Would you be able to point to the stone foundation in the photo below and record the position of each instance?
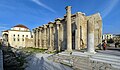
(84, 62)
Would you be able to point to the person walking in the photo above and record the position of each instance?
(104, 45)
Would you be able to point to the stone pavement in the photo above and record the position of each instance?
(40, 62)
(108, 56)
(102, 60)
(110, 52)
(1, 60)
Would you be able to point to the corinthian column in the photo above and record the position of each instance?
(50, 37)
(34, 38)
(78, 31)
(69, 34)
(40, 37)
(45, 30)
(58, 33)
(37, 37)
(90, 35)
(47, 36)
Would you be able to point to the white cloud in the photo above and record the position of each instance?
(109, 8)
(43, 5)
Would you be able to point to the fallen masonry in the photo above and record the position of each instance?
(87, 61)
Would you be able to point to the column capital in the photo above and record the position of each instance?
(45, 26)
(57, 20)
(37, 29)
(34, 30)
(68, 7)
(80, 13)
(50, 24)
(40, 28)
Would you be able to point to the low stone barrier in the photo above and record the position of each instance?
(1, 60)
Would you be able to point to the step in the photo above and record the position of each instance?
(114, 64)
(107, 59)
(106, 56)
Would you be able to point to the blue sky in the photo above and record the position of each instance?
(34, 13)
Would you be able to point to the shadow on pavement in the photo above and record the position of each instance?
(41, 63)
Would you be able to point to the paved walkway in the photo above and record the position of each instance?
(108, 56)
(110, 52)
(1, 60)
(40, 62)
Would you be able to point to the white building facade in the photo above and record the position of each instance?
(107, 36)
(15, 37)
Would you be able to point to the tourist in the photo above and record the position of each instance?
(104, 45)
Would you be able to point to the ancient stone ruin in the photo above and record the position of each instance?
(73, 32)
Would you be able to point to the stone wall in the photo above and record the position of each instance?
(29, 42)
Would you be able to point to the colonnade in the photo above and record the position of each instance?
(58, 34)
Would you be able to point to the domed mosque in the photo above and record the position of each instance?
(16, 36)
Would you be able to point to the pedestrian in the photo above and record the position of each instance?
(116, 44)
(104, 45)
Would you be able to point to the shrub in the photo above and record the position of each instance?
(13, 60)
(110, 41)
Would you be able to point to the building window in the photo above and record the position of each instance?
(22, 35)
(31, 36)
(18, 40)
(22, 39)
(13, 39)
(107, 36)
(14, 35)
(26, 35)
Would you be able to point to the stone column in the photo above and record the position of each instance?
(90, 35)
(69, 32)
(50, 37)
(37, 37)
(34, 37)
(58, 33)
(100, 27)
(61, 36)
(47, 37)
(45, 30)
(53, 36)
(40, 37)
(100, 31)
(78, 31)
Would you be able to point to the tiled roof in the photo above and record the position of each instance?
(20, 25)
(5, 31)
